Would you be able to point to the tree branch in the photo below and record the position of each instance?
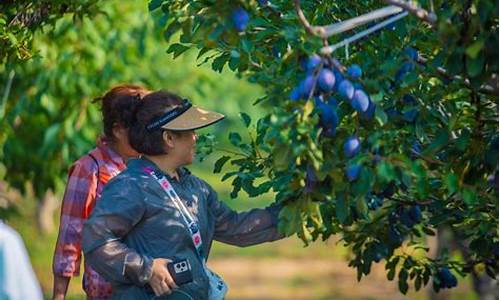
(491, 88)
(396, 6)
(424, 15)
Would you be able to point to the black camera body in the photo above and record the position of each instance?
(180, 270)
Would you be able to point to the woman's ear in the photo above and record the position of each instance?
(168, 139)
(119, 132)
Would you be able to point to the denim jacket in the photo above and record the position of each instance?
(135, 222)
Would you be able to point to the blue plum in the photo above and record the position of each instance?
(295, 94)
(410, 115)
(306, 86)
(446, 278)
(360, 101)
(411, 53)
(406, 68)
(409, 100)
(326, 80)
(352, 146)
(240, 19)
(312, 62)
(346, 89)
(353, 171)
(354, 71)
(395, 237)
(415, 213)
(328, 117)
(338, 78)
(370, 112)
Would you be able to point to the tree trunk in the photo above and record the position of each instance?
(45, 212)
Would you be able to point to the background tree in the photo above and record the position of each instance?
(48, 120)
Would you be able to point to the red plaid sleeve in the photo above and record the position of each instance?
(79, 199)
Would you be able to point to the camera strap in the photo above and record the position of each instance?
(217, 287)
(192, 225)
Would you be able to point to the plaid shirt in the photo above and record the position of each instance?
(86, 179)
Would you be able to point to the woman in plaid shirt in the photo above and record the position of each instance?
(86, 178)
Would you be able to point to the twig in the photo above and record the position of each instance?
(424, 15)
(491, 88)
(6, 92)
(314, 30)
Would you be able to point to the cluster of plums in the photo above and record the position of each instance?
(407, 216)
(321, 82)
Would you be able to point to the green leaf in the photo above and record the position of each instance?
(220, 61)
(342, 209)
(473, 50)
(418, 283)
(391, 273)
(235, 138)
(380, 115)
(171, 30)
(220, 163)
(177, 49)
(236, 187)
(428, 231)
(451, 183)
(469, 196)
(439, 141)
(403, 286)
(386, 171)
(474, 66)
(154, 4)
(246, 119)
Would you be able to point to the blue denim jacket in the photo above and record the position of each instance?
(135, 222)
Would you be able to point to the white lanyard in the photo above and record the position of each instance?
(193, 228)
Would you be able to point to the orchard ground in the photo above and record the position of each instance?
(272, 271)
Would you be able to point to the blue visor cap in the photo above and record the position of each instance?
(185, 117)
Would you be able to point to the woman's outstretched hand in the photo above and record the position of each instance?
(161, 282)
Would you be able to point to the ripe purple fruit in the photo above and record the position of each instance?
(295, 94)
(306, 86)
(409, 100)
(352, 146)
(346, 89)
(360, 101)
(354, 71)
(406, 219)
(446, 278)
(410, 115)
(338, 78)
(370, 112)
(326, 80)
(415, 213)
(311, 179)
(352, 172)
(395, 237)
(328, 118)
(240, 19)
(312, 62)
(406, 68)
(411, 53)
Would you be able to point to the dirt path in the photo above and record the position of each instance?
(275, 278)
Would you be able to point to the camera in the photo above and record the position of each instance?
(180, 270)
